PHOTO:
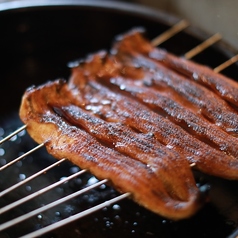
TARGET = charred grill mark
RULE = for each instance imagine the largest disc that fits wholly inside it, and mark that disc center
(115, 135)
(183, 113)
(203, 99)
(134, 114)
(182, 116)
(150, 164)
(166, 134)
(210, 105)
(220, 84)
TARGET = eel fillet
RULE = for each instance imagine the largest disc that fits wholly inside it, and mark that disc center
(133, 162)
(139, 117)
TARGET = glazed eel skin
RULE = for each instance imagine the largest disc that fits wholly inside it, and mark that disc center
(133, 162)
(130, 117)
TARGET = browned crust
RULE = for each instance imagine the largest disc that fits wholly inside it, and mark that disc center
(130, 117)
(150, 178)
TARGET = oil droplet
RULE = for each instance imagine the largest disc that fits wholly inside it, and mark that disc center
(197, 153)
(122, 87)
(22, 133)
(104, 209)
(92, 181)
(94, 109)
(164, 221)
(103, 186)
(58, 214)
(63, 178)
(1, 131)
(113, 51)
(19, 164)
(73, 64)
(106, 102)
(60, 190)
(77, 181)
(92, 199)
(13, 138)
(3, 162)
(68, 208)
(147, 82)
(85, 197)
(28, 188)
(22, 176)
(117, 217)
(195, 76)
(169, 146)
(135, 223)
(2, 151)
(88, 107)
(74, 169)
(112, 80)
(94, 100)
(116, 207)
(108, 224)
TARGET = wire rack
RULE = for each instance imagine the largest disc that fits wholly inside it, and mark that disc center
(98, 193)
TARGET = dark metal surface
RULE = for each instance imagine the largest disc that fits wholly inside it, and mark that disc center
(37, 40)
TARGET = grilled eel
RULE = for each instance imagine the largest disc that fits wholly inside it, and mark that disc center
(133, 162)
(223, 86)
(141, 54)
(113, 98)
(129, 117)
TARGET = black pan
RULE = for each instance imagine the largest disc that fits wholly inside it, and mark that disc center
(37, 40)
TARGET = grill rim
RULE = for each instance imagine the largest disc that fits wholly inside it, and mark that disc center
(133, 9)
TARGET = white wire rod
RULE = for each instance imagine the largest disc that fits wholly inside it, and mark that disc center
(75, 217)
(21, 157)
(33, 195)
(8, 190)
(48, 206)
(13, 134)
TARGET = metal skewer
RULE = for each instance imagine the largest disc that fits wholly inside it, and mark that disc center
(205, 44)
(13, 134)
(6, 191)
(21, 157)
(170, 32)
(44, 190)
(76, 217)
(226, 64)
(48, 206)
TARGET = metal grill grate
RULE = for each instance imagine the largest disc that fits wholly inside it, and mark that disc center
(86, 181)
